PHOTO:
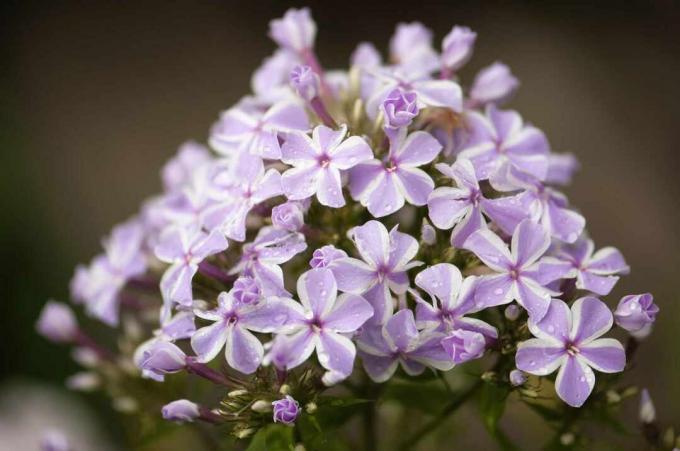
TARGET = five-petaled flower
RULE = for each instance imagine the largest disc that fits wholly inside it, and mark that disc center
(386, 258)
(569, 340)
(318, 161)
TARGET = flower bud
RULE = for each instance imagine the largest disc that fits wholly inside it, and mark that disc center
(237, 393)
(163, 357)
(647, 412)
(295, 31)
(286, 410)
(246, 290)
(311, 407)
(288, 216)
(493, 84)
(613, 397)
(464, 345)
(365, 55)
(181, 410)
(125, 404)
(57, 323)
(634, 312)
(284, 389)
(244, 433)
(83, 381)
(399, 108)
(324, 256)
(305, 82)
(261, 406)
(428, 235)
(457, 47)
(567, 439)
(517, 378)
(512, 312)
(85, 357)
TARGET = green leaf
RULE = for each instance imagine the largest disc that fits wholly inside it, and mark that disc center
(428, 397)
(273, 437)
(314, 438)
(492, 405)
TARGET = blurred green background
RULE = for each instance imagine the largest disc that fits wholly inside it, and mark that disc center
(95, 96)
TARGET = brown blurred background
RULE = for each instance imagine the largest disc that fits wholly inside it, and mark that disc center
(95, 96)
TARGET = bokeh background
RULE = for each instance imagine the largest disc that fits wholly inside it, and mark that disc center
(95, 96)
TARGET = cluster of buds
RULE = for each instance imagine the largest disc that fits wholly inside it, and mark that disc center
(378, 219)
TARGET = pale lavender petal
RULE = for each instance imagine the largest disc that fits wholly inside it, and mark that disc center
(384, 198)
(477, 325)
(317, 291)
(336, 353)
(414, 184)
(379, 368)
(301, 182)
(403, 248)
(329, 189)
(565, 224)
(441, 93)
(534, 298)
(506, 212)
(349, 313)
(529, 243)
(494, 290)
(418, 149)
(490, 249)
(590, 319)
(271, 314)
(243, 350)
(432, 354)
(373, 242)
(605, 355)
(352, 275)
(209, 244)
(352, 151)
(299, 150)
(363, 176)
(601, 285)
(551, 269)
(176, 283)
(270, 277)
(268, 186)
(412, 367)
(575, 382)
(327, 139)
(539, 357)
(380, 299)
(442, 281)
(447, 206)
(555, 326)
(172, 245)
(472, 222)
(299, 346)
(208, 341)
(286, 116)
(400, 331)
(607, 260)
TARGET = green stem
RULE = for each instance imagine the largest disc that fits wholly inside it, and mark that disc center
(443, 415)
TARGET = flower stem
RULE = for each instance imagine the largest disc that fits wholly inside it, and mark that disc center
(204, 371)
(443, 415)
(214, 272)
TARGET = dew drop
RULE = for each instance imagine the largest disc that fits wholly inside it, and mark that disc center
(498, 291)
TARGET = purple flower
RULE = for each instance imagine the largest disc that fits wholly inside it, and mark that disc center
(178, 171)
(232, 323)
(240, 130)
(162, 357)
(517, 378)
(365, 55)
(457, 47)
(57, 323)
(501, 137)
(636, 312)
(179, 326)
(261, 258)
(325, 256)
(452, 298)
(386, 258)
(305, 82)
(561, 168)
(462, 207)
(594, 272)
(184, 249)
(383, 186)
(181, 410)
(295, 31)
(545, 205)
(318, 161)
(519, 275)
(400, 108)
(464, 345)
(569, 340)
(286, 410)
(493, 84)
(322, 323)
(288, 216)
(246, 290)
(398, 342)
(429, 93)
(411, 48)
(270, 81)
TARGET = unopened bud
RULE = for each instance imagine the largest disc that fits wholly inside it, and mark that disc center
(261, 406)
(488, 376)
(567, 439)
(244, 433)
(237, 393)
(517, 378)
(299, 447)
(285, 389)
(512, 312)
(529, 393)
(647, 413)
(125, 404)
(311, 407)
(669, 437)
(613, 397)
(83, 381)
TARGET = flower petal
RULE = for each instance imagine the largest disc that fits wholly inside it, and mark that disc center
(493, 290)
(533, 297)
(442, 281)
(317, 290)
(447, 206)
(555, 326)
(372, 242)
(243, 350)
(574, 382)
(490, 249)
(336, 353)
(349, 313)
(400, 331)
(329, 190)
(605, 354)
(418, 149)
(590, 319)
(608, 260)
(378, 368)
(353, 275)
(271, 314)
(352, 151)
(529, 243)
(301, 182)
(539, 357)
(208, 341)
